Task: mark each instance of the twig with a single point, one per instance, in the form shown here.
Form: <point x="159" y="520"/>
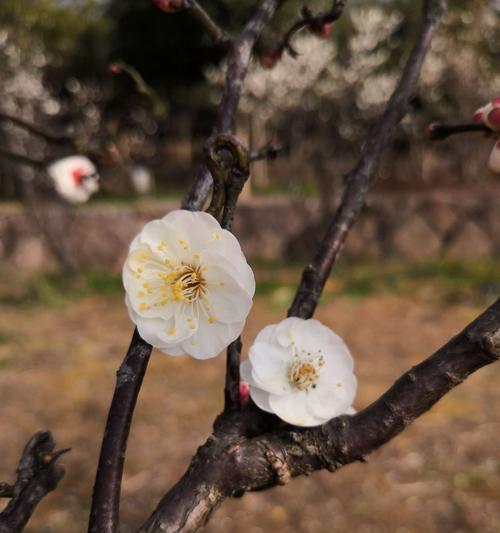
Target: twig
<point x="437" y="131"/>
<point x="238" y="61"/>
<point x="142" y="87"/>
<point x="226" y="466"/>
<point x="216" y="33"/>
<point x="358" y="179"/>
<point x="311" y="21"/>
<point x="37" y="474"/>
<point x="36" y="130"/>
<point x="105" y="509"/>
<point x="269" y="151"/>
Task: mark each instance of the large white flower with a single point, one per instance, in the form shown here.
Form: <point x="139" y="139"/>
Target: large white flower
<point x="301" y="371"/>
<point x="188" y="286"/>
<point x="75" y="178"/>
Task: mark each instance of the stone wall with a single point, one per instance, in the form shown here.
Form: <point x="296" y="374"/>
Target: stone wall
<point x="423" y="226"/>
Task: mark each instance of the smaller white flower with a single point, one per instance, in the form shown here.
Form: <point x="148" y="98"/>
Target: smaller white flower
<point x="301" y="371"/>
<point x="75" y="178"/>
<point x="188" y="286"/>
<point x="494" y="160"/>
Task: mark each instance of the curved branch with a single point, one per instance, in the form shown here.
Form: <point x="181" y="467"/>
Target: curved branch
<point x="238" y="61"/>
<point x="229" y="466"/>
<point x="106" y="495"/>
<point x="37" y="474"/>
<point x="358" y="179"/>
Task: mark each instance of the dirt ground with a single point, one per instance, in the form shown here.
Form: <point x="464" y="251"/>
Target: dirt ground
<point x="57" y="366"/>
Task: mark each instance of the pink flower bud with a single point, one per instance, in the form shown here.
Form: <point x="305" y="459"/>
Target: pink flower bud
<point x="244" y="392"/>
<point x="495" y="102"/>
<point x="322" y="31"/>
<point x="269" y="59"/>
<point x="493" y="119"/>
<point x="114" y="68"/>
<point x="494" y="160"/>
<point x="169" y="5"/>
<point x="478" y="115"/>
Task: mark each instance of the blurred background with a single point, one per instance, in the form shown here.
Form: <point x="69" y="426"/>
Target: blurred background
<point x="422" y="261"/>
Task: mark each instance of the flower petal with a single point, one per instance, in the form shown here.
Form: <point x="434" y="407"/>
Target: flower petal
<point x="292" y="408"/>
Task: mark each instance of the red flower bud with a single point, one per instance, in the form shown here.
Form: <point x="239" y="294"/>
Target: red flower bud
<point x="169" y="6"/>
<point x="477" y="116"/>
<point x="114" y="68"/>
<point x="244" y="392"/>
<point x="494" y="118"/>
<point x="495" y="102"/>
<point x="270" y="58"/>
<point x="322" y="31"/>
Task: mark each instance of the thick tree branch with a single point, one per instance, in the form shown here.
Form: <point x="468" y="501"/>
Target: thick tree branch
<point x="106" y="496"/>
<point x="37" y="474"/>
<point x="228" y="465"/>
<point x="237" y="61"/>
<point x="437" y="131"/>
<point x="358" y="179"/>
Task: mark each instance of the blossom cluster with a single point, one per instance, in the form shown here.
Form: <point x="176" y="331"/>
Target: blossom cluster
<point x="189" y="290"/>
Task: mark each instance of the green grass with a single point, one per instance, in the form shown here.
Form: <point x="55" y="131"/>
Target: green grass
<point x="445" y="280"/>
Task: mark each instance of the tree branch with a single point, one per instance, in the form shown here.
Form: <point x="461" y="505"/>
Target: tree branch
<point x="228" y="465"/>
<point x="37" y="130"/>
<point x="238" y="61"/>
<point x="216" y="33"/>
<point x="437" y="131"/>
<point x="22" y="159"/>
<point x="37" y="474"/>
<point x="358" y="179"/>
<point x="105" y="508"/>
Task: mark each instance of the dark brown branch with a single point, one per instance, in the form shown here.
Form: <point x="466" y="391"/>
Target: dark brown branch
<point x="437" y="131"/>
<point x="237" y="61"/>
<point x="228" y="465"/>
<point x="37" y="130"/>
<point x="313" y="22"/>
<point x="106" y="496"/>
<point x="37" y="474"/>
<point x="358" y="179"/>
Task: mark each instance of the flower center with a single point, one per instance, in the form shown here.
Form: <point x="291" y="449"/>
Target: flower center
<point x="304" y="371"/>
<point x="188" y="284"/>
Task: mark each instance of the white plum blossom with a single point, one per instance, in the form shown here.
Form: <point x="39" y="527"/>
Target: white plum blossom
<point x="188" y="286"/>
<point x="74" y="177"/>
<point x="301" y="371"/>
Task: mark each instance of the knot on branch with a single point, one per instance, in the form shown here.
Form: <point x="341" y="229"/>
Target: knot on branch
<point x="37" y="474"/>
<point x="229" y="163"/>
